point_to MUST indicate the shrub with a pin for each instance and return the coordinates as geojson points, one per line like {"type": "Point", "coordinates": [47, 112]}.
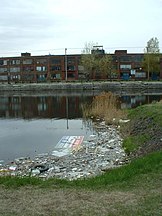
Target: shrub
{"type": "Point", "coordinates": [105, 106]}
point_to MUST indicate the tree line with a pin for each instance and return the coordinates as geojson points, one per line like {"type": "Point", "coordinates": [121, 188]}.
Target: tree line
{"type": "Point", "coordinates": [96, 62]}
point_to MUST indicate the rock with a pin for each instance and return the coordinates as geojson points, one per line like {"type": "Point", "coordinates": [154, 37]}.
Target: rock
{"type": "Point", "coordinates": [35, 172]}
{"type": "Point", "coordinates": [101, 151]}
{"type": "Point", "coordinates": [13, 168]}
{"type": "Point", "coordinates": [124, 120]}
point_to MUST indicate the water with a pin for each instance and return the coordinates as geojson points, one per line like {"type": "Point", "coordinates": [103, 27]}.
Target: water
{"type": "Point", "coordinates": [33, 124]}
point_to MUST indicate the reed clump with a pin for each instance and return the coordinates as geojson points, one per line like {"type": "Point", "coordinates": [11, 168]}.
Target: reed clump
{"type": "Point", "coordinates": [105, 106]}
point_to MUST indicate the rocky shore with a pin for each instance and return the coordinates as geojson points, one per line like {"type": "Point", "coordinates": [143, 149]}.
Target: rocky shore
{"type": "Point", "coordinates": [100, 152]}
{"type": "Point", "coordinates": [97, 85]}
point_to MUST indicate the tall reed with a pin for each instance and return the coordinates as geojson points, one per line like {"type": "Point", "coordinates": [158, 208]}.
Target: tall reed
{"type": "Point", "coordinates": [105, 106]}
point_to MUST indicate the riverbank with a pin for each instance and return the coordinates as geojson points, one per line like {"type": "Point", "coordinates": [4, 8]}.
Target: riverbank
{"type": "Point", "coordinates": [83, 86]}
{"type": "Point", "coordinates": [102, 151]}
{"type": "Point", "coordinates": [132, 189]}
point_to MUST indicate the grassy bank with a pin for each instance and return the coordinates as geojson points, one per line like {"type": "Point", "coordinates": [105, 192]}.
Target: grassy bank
{"type": "Point", "coordinates": [143, 133]}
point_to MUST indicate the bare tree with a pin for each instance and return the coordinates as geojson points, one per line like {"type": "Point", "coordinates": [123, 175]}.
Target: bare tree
{"type": "Point", "coordinates": [153, 46]}
{"type": "Point", "coordinates": [151, 61]}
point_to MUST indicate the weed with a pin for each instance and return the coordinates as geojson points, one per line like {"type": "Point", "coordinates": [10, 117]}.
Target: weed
{"type": "Point", "coordinates": [105, 106]}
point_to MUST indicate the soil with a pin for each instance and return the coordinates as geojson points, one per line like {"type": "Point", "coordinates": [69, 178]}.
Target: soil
{"type": "Point", "coordinates": [146, 126]}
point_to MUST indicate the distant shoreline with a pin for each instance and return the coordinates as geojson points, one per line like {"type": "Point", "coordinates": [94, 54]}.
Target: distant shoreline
{"type": "Point", "coordinates": [83, 86]}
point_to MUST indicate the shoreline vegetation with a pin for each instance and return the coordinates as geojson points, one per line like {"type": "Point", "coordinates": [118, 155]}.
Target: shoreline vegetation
{"type": "Point", "coordinates": [134, 188]}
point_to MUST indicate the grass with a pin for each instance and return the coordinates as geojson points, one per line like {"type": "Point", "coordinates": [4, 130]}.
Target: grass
{"type": "Point", "coordinates": [153, 111]}
{"type": "Point", "coordinates": [118, 176]}
{"type": "Point", "coordinates": [146, 120]}
{"type": "Point", "coordinates": [133, 189]}
{"type": "Point", "coordinates": [132, 143]}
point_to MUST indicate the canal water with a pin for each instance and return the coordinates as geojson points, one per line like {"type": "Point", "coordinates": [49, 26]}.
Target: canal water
{"type": "Point", "coordinates": [34, 124]}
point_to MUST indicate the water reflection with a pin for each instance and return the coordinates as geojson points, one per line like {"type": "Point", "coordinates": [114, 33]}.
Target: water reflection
{"type": "Point", "coordinates": [42, 107]}
{"type": "Point", "coordinates": [34, 124]}
{"type": "Point", "coordinates": [29, 107]}
{"type": "Point", "coordinates": [132, 101]}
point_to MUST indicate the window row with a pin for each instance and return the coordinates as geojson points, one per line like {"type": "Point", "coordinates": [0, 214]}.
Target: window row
{"type": "Point", "coordinates": [29, 68]}
{"type": "Point", "coordinates": [134, 58]}
{"type": "Point", "coordinates": [55, 61]}
{"type": "Point", "coordinates": [122, 67]}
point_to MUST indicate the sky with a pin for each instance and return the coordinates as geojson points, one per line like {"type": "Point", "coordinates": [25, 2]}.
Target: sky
{"type": "Point", "coordinates": [45, 27]}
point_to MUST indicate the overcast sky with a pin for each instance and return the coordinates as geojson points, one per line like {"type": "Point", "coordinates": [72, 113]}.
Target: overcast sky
{"type": "Point", "coordinates": [49, 26]}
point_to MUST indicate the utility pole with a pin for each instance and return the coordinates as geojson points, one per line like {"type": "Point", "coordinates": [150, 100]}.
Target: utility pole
{"type": "Point", "coordinates": [66, 64]}
{"type": "Point", "coordinates": [8, 72]}
{"type": "Point", "coordinates": [148, 64]}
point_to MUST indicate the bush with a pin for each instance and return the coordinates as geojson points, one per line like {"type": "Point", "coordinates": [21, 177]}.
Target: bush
{"type": "Point", "coordinates": [105, 106]}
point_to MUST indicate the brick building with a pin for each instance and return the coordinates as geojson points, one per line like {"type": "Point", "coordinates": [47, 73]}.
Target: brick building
{"type": "Point", "coordinates": [27, 68]}
{"type": "Point", "coordinates": [38, 68]}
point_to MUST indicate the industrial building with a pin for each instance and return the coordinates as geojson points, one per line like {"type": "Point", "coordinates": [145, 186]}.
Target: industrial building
{"type": "Point", "coordinates": [28, 68]}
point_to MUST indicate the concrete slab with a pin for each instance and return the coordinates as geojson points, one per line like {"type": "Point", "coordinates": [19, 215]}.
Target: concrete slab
{"type": "Point", "coordinates": [67, 144]}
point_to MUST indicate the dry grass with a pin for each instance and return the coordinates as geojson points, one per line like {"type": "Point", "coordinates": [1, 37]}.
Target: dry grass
{"type": "Point", "coordinates": [160, 101]}
{"type": "Point", "coordinates": [52, 202]}
{"type": "Point", "coordinates": [49, 202]}
{"type": "Point", "coordinates": [105, 106]}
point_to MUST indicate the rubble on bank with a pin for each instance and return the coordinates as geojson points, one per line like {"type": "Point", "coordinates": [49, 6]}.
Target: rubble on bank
{"type": "Point", "coordinates": [97, 154]}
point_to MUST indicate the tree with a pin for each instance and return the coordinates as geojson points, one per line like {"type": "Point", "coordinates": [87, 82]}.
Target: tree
{"type": "Point", "coordinates": [153, 46]}
{"type": "Point", "coordinates": [88, 46]}
{"type": "Point", "coordinates": [96, 63]}
{"type": "Point", "coordinates": [106, 66]}
{"type": "Point", "coordinates": [151, 61]}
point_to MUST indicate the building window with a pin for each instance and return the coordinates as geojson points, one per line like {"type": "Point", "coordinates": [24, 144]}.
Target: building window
{"type": "Point", "coordinates": [71, 60]}
{"type": "Point", "coordinates": [4, 69]}
{"type": "Point", "coordinates": [140, 75]}
{"type": "Point", "coordinates": [15, 62]}
{"type": "Point", "coordinates": [123, 67]}
{"type": "Point", "coordinates": [28, 68]}
{"type": "Point", "coordinates": [55, 61]}
{"type": "Point", "coordinates": [138, 58]}
{"type": "Point", "coordinates": [71, 67]}
{"type": "Point", "coordinates": [41, 61]}
{"type": "Point", "coordinates": [41, 77]}
{"type": "Point", "coordinates": [41, 68]}
{"type": "Point", "coordinates": [3, 62]}
{"type": "Point", "coordinates": [27, 61]}
{"type": "Point", "coordinates": [71, 75]}
{"type": "Point", "coordinates": [27, 77]}
{"type": "Point", "coordinates": [56, 68]}
{"type": "Point", "coordinates": [125, 58]}
{"type": "Point", "coordinates": [15, 69]}
{"type": "Point", "coordinates": [55, 76]}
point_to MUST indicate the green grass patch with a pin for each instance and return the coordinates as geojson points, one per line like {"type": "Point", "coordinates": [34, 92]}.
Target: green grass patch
{"type": "Point", "coordinates": [115, 178]}
{"type": "Point", "coordinates": [132, 143]}
{"type": "Point", "coordinates": [153, 111]}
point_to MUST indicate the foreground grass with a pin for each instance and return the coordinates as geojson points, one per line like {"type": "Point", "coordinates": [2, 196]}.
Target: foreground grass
{"type": "Point", "coordinates": [121, 178]}
{"type": "Point", "coordinates": [134, 189]}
